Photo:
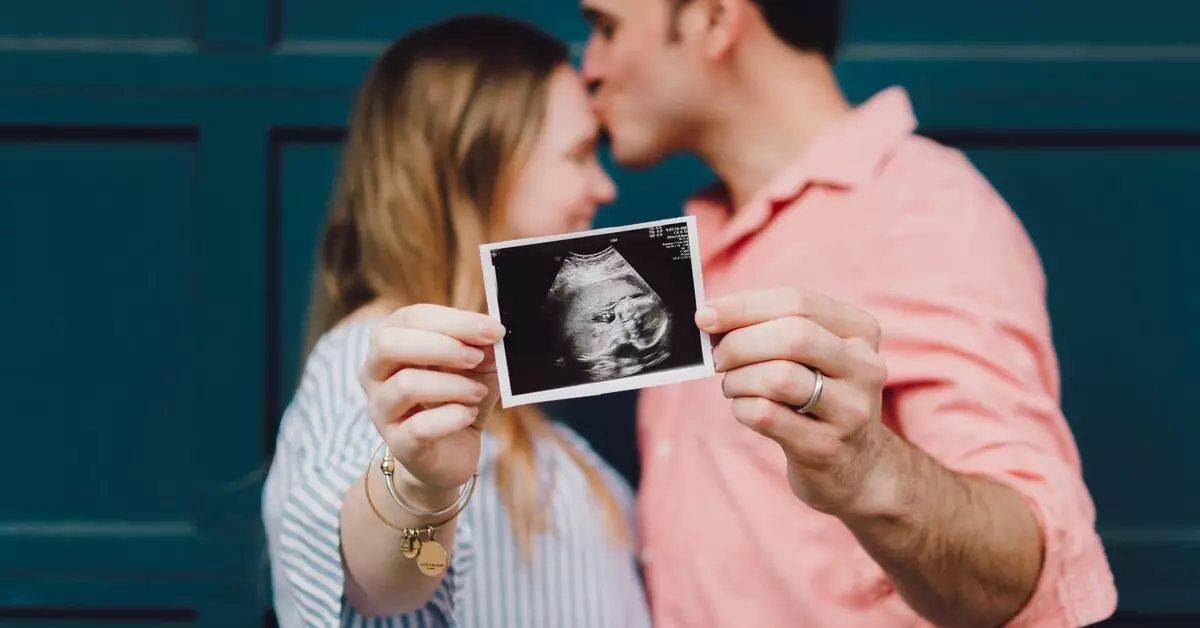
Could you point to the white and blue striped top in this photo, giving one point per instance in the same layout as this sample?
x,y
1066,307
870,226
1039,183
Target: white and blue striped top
x,y
577,577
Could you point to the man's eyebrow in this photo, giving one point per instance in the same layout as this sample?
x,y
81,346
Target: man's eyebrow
x,y
594,16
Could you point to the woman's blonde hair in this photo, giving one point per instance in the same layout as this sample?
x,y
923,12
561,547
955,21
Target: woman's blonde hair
x,y
443,122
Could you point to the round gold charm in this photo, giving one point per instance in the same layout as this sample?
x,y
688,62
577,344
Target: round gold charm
x,y
410,546
432,559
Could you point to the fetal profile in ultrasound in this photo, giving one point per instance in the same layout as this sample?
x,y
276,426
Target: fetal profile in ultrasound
x,y
611,323
600,311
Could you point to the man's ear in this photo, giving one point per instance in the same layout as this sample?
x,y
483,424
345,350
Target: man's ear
x,y
724,21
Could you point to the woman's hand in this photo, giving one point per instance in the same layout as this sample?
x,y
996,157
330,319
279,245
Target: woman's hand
x,y
430,379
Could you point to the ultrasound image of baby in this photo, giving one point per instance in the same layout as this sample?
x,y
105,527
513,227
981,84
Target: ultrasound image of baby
x,y
612,323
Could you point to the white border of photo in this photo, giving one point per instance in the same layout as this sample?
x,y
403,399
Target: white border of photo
x,y
632,382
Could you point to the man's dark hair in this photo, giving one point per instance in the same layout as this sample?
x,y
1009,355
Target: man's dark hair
x,y
809,25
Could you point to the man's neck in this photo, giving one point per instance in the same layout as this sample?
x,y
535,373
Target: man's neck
x,y
767,121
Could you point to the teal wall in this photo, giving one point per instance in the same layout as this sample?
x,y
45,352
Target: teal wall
x,y
163,165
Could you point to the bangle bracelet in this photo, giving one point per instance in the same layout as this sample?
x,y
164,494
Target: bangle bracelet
x,y
388,467
432,558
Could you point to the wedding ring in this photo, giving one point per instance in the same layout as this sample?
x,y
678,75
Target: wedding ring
x,y
818,387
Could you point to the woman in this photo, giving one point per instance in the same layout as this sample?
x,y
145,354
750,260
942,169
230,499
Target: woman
x,y
470,130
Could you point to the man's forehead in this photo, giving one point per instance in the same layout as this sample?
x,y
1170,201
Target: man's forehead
x,y
614,8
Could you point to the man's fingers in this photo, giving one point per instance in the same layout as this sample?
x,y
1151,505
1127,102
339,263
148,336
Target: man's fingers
x,y
393,348
751,307
429,426
792,338
469,327
804,440
411,388
786,383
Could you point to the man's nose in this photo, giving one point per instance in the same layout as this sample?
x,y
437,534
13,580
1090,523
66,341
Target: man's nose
x,y
591,67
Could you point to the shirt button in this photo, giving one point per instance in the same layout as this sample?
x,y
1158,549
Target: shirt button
x,y
645,556
663,449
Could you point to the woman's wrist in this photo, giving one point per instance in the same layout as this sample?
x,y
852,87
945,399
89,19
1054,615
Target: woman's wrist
x,y
420,495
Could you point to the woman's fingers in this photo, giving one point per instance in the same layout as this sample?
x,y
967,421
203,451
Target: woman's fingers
x,y
469,327
412,388
393,348
429,426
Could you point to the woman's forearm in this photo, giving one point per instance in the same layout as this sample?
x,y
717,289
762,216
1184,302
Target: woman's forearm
x,y
380,580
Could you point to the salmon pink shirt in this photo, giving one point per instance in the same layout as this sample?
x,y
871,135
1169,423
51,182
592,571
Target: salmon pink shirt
x,y
907,229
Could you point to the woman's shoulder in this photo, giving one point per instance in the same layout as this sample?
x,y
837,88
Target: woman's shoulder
x,y
336,357
328,387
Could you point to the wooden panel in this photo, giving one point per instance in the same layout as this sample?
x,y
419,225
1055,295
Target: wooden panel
x,y
105,318
1112,220
118,382
304,165
180,602
99,18
142,179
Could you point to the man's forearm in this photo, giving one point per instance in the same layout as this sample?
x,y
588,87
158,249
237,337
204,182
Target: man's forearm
x,y
960,550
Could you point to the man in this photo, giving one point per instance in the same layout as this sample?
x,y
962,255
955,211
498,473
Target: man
x,y
938,482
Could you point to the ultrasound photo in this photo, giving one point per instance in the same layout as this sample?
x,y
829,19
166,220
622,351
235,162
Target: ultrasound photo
x,y
595,312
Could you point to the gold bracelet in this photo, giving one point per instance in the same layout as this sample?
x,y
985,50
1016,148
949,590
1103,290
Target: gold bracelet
x,y
388,467
431,557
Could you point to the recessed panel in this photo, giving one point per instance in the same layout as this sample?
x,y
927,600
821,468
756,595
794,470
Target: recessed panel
x,y
1115,223
1116,228
305,174
100,279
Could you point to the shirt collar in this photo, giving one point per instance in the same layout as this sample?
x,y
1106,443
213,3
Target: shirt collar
x,y
844,155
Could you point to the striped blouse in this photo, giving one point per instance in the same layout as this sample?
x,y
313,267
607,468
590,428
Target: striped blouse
x,y
576,577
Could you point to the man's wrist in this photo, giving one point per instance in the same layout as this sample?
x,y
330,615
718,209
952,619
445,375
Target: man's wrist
x,y
887,494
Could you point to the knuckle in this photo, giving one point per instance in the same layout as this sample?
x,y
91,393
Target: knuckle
x,y
797,337
378,331
418,311
382,344
781,379
397,439
742,310
406,381
873,371
418,434
758,413
873,329
403,317
858,410
799,301
877,372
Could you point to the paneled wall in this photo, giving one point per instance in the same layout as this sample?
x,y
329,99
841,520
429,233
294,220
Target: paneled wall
x,y
164,164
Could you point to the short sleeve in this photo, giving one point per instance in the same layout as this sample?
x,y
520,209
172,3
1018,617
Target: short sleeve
x,y
326,438
310,551
973,381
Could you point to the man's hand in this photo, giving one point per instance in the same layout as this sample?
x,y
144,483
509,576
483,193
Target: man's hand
x,y
772,343
960,550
